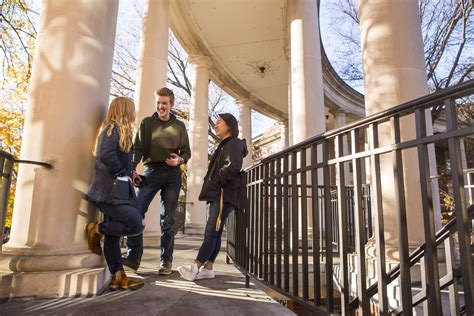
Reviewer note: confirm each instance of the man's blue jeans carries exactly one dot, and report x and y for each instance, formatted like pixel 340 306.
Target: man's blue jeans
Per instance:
pixel 167 180
pixel 212 239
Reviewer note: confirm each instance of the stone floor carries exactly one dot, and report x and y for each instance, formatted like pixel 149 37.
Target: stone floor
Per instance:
pixel 169 295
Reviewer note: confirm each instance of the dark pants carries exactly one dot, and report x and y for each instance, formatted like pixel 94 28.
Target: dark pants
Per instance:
pixel 168 180
pixel 212 239
pixel 120 220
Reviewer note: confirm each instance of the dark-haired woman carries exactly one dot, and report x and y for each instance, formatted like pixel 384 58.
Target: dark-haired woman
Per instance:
pixel 221 190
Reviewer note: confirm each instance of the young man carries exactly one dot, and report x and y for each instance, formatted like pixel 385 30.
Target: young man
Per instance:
pixel 162 144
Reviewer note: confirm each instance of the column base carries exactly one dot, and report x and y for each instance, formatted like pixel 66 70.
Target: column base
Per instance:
pixel 52 276
pixel 78 282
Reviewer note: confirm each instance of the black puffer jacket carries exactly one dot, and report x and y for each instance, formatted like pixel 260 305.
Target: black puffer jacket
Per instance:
pixel 223 172
pixel 110 163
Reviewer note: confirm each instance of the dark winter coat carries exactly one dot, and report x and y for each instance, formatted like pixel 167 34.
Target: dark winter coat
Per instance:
pixel 223 172
pixel 110 163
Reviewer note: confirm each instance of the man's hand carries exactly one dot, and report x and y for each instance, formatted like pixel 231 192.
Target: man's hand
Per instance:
pixel 136 178
pixel 174 160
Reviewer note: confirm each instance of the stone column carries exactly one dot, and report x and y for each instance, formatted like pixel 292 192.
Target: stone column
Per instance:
pixel 245 128
pixel 340 121
pixel 289 124
pixel 307 96
pixel 284 137
pixel 394 73
pixel 198 138
pixel 152 69
pixel 69 91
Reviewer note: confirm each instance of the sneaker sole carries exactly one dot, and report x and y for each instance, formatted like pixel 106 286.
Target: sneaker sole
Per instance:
pixel 206 277
pixel 165 272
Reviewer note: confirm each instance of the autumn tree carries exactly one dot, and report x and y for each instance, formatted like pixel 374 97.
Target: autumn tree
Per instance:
pixel 17 19
pixel 448 39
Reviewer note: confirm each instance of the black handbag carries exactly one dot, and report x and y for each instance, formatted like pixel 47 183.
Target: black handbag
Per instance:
pixel 121 190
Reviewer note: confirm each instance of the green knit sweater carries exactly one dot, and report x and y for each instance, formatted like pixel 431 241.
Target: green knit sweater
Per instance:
pixel 156 140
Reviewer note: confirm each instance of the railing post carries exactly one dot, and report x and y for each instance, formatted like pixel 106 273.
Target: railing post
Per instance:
pixel 286 223
pixel 253 221
pixel 359 228
pixel 271 213
pixel 265 214
pixel 6 169
pixel 431 258
pixel 316 226
pixel 279 219
pixel 304 224
pixel 462 217
pixel 294 222
pixel 328 227
pixel 400 205
pixel 342 214
pixel 261 214
pixel 376 199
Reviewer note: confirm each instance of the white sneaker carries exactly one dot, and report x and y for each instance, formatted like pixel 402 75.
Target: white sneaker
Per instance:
pixel 188 272
pixel 205 274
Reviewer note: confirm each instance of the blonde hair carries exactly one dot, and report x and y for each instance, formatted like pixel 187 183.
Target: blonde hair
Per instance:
pixel 121 113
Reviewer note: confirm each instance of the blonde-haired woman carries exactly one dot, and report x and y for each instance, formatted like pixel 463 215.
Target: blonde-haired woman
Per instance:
pixel 112 191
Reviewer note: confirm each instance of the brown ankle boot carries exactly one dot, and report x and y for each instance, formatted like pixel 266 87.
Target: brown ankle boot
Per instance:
pixel 114 284
pixel 93 238
pixel 130 284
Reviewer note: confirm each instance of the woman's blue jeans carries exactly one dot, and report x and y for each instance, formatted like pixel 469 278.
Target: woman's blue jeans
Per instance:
pixel 120 220
pixel 212 239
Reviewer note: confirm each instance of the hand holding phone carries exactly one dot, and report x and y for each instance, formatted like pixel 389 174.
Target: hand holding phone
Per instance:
pixel 174 160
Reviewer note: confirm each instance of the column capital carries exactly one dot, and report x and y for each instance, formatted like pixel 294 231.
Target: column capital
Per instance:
pixel 283 122
pixel 244 102
pixel 200 61
pixel 337 111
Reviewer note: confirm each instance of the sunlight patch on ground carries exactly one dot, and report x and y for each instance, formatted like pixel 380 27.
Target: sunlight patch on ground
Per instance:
pixel 236 293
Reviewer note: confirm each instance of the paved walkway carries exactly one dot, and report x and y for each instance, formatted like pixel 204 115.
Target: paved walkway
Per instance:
pixel 169 295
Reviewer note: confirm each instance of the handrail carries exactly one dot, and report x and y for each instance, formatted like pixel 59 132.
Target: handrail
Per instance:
pixel 32 162
pixel 424 101
pixel 7 161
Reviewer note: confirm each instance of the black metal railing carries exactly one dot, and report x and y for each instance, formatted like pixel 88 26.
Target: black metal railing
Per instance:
pixel 351 220
pixel 288 218
pixel 7 162
pixel 6 169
